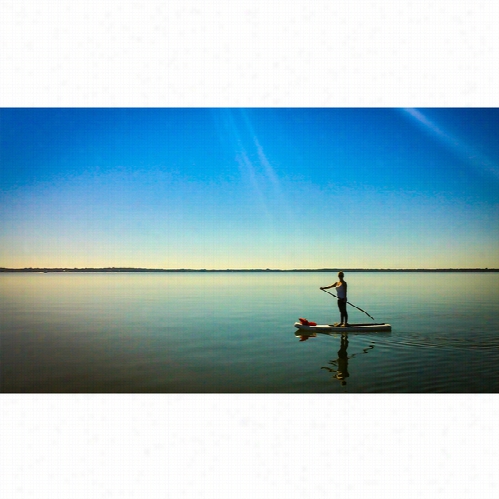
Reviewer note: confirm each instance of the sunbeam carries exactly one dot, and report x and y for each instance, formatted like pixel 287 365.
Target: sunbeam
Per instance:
pixel 458 147
pixel 269 171
pixel 255 169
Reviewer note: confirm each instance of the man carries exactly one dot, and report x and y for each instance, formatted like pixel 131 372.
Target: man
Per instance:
pixel 341 289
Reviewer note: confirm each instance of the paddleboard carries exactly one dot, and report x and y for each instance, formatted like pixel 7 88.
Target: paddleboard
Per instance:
pixel 352 328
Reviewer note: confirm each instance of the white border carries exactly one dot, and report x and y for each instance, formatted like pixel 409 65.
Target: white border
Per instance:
pixel 239 53
pixel 260 53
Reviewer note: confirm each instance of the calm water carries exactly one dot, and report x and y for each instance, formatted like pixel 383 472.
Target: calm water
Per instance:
pixel 233 332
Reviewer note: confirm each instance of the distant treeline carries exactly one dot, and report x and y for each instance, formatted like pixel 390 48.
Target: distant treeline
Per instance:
pixel 133 269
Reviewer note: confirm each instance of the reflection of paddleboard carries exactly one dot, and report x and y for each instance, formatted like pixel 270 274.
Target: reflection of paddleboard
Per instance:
pixel 352 328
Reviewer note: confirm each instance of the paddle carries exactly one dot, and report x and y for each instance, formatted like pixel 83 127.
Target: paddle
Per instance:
pixel 351 304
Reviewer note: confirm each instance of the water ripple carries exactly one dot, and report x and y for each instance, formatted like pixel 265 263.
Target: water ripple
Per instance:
pixel 469 343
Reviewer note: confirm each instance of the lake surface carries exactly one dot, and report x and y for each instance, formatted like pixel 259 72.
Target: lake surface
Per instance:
pixel 233 332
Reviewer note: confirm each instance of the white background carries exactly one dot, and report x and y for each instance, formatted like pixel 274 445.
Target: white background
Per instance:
pixel 259 53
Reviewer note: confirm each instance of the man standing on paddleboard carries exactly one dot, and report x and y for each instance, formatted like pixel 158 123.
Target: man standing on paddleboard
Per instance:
pixel 341 289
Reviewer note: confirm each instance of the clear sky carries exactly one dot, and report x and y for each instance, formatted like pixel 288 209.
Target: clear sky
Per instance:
pixel 249 188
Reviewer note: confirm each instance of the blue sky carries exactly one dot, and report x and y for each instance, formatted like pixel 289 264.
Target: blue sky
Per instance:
pixel 249 188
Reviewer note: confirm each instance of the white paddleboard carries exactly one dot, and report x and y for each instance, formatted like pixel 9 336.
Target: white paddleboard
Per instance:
pixel 352 328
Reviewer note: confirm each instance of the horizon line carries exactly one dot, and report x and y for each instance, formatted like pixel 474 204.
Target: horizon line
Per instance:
pixel 325 269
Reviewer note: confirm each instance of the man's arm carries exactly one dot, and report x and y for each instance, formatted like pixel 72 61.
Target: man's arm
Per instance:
pixel 332 286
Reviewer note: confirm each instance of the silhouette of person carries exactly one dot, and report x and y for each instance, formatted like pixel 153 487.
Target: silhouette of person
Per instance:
pixel 341 290
pixel 342 372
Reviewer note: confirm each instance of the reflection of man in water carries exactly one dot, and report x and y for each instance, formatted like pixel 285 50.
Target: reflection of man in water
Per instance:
pixel 343 361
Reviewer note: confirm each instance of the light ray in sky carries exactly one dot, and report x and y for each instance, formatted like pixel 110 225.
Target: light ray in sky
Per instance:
pixel 457 146
pixel 248 172
pixel 282 206
pixel 254 166
pixel 269 171
pixel 246 168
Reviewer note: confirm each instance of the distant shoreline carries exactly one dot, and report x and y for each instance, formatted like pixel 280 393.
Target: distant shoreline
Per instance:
pixel 133 269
